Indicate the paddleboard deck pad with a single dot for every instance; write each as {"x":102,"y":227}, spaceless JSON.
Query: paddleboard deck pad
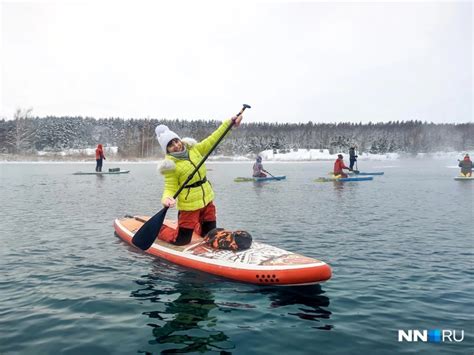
{"x":102,"y":172}
{"x":261,"y":264}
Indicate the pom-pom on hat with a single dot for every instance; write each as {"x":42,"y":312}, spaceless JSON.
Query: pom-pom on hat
{"x":164,"y":136}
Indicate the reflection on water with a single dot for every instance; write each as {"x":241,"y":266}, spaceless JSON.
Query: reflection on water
{"x":338,"y":187}
{"x":185,"y":322}
{"x":310,"y":302}
{"x":100,"y":180}
{"x":185,"y":315}
{"x":258,"y":187}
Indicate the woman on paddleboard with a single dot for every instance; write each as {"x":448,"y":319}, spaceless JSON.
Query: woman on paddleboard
{"x":258,"y":170}
{"x":466,"y":166}
{"x":99,"y":157}
{"x":195,"y":203}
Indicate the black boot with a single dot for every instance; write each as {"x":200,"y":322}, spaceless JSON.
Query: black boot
{"x":207,"y":226}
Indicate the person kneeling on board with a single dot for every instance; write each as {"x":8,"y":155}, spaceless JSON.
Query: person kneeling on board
{"x":196,"y":210}
{"x":466,"y":166}
{"x":258,"y":170}
{"x":339,"y":166}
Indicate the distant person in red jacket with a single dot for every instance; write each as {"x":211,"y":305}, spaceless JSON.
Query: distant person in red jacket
{"x":339,"y":165}
{"x":466,"y":166}
{"x":99,"y":156}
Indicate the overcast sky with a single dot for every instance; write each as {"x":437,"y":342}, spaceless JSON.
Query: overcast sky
{"x":292,"y":61}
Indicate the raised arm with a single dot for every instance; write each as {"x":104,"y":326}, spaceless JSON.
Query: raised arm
{"x":206,"y":144}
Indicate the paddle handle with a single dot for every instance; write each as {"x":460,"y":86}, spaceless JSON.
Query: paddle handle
{"x":245,"y":106}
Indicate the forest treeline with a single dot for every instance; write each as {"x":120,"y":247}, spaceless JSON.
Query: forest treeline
{"x":25,"y":135}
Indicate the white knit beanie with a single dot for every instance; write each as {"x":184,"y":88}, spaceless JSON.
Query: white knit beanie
{"x":164,"y":135}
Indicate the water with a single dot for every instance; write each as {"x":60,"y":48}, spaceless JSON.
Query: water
{"x":400,"y":246}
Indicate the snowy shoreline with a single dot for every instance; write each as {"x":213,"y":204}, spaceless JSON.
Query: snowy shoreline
{"x":300,"y":155}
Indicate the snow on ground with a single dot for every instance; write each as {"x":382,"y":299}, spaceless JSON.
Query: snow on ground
{"x":80,"y":152}
{"x":443,"y":155}
{"x":301,"y":155}
{"x":320,"y":154}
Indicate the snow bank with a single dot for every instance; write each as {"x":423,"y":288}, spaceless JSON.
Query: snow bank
{"x":80,"y":152}
{"x":444,"y":155}
{"x":319,"y":154}
{"x":268,"y":155}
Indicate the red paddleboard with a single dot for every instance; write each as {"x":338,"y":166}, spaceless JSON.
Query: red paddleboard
{"x":261,"y":264}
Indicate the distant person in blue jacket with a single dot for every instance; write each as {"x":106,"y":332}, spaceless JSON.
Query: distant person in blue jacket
{"x":466,"y":166}
{"x":352,"y":157}
{"x":258,"y":170}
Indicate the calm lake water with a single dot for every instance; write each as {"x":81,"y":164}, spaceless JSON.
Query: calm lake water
{"x":400,"y":246}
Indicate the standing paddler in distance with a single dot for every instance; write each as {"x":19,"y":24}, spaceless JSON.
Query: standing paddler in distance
{"x":99,"y":157}
{"x":196,"y":210}
{"x":352,"y":157}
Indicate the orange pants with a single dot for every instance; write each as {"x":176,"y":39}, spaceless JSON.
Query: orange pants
{"x":189,"y":220}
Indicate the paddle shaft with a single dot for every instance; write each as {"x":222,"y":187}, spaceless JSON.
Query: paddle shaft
{"x":269,"y":173}
{"x":356,"y":171}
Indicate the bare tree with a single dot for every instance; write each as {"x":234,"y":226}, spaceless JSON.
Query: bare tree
{"x":20,"y":137}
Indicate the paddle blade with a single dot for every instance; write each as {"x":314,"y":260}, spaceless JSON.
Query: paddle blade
{"x":147,"y":234}
{"x":321,"y":179}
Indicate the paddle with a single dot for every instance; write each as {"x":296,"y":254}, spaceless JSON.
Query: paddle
{"x":323,"y":179}
{"x":356,"y":171}
{"x":270,"y":174}
{"x":147,"y":234}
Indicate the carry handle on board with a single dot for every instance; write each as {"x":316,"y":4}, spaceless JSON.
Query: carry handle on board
{"x":146,"y":235}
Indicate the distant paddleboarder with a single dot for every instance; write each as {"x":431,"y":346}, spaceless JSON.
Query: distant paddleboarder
{"x":466,"y":166}
{"x":339,"y":166}
{"x":258,"y":170}
{"x":99,"y":157}
{"x":352,"y":157}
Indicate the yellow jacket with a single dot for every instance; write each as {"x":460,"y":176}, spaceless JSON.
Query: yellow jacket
{"x":176,"y":171}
